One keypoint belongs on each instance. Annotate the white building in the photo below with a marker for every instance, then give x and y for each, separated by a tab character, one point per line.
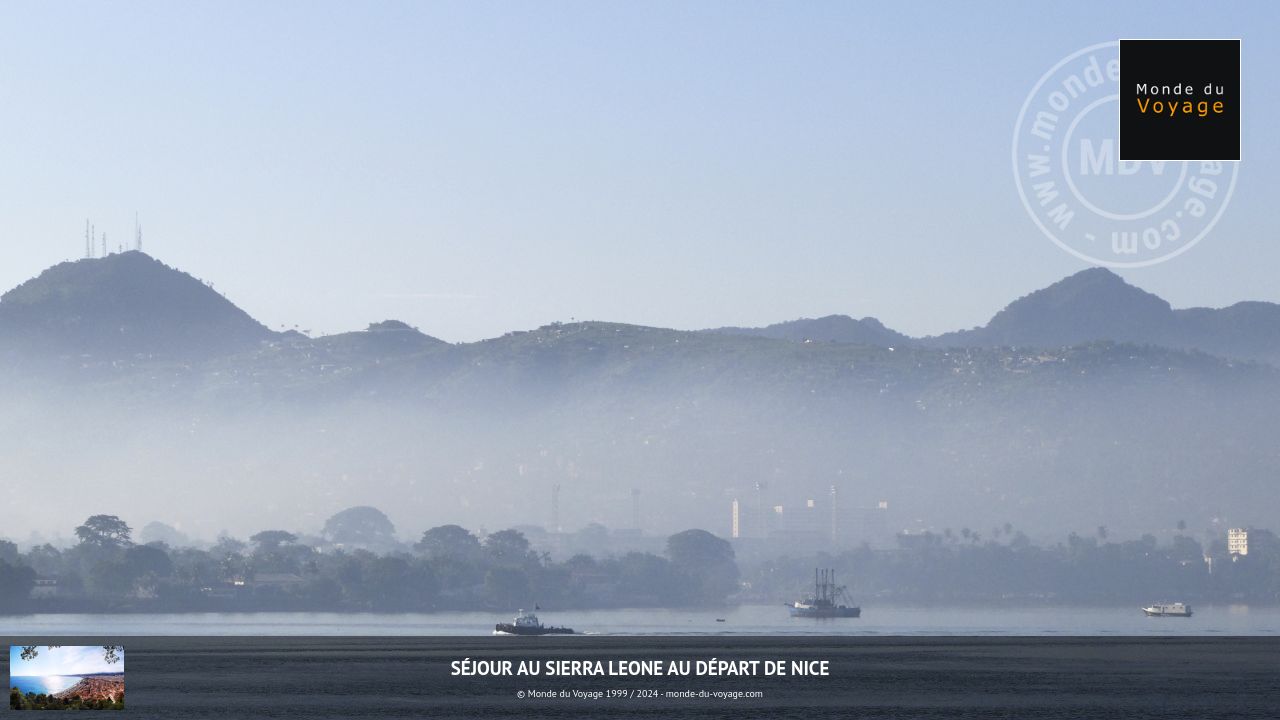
44	588
1238	541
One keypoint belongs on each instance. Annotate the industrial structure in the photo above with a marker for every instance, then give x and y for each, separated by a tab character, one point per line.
95	246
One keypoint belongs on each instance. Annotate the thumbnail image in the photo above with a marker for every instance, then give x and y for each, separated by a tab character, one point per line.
66	677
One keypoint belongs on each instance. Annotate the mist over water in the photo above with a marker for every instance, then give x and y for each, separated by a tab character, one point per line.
481	435
890	455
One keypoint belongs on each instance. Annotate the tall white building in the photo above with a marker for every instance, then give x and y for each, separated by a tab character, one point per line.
1238	541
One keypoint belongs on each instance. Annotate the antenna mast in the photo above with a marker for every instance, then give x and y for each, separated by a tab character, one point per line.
834	528
761	519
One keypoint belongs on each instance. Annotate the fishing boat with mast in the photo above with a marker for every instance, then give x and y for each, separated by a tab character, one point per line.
828	600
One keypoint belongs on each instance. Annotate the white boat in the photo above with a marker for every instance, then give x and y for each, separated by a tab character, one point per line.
1167	610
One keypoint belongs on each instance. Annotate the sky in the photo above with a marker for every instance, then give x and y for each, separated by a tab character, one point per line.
474	168
64	660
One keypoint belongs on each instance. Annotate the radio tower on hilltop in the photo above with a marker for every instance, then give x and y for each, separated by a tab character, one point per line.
137	233
88	240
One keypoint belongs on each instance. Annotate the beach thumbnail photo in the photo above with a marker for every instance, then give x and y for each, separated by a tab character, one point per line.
66	677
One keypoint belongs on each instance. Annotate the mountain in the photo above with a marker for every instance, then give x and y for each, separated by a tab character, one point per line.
478	434
832	328
129	304
122	306
1249	330
1094	305
389	337
1098	305
258	430
1091	305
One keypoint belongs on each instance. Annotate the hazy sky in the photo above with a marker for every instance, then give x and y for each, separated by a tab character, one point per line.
64	660
473	168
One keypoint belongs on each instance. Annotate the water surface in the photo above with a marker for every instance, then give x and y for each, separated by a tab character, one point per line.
1209	620
43	684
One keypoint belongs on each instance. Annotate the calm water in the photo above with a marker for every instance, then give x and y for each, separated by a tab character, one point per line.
43	684
743	620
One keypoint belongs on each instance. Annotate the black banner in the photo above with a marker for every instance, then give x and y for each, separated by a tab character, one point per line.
741	677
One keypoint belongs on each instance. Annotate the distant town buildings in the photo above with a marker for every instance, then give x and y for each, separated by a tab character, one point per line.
44	588
810	524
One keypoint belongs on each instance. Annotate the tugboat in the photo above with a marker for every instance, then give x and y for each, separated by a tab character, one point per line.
825	602
526	623
1168	610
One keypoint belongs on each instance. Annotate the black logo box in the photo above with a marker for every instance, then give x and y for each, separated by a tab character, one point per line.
1185	67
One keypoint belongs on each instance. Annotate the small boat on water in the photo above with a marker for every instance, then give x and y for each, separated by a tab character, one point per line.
1167	610
526	623
827	601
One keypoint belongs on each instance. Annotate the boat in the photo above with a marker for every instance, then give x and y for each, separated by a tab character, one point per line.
526	623
827	601
1167	610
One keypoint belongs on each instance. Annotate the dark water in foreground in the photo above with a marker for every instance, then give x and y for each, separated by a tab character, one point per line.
870	677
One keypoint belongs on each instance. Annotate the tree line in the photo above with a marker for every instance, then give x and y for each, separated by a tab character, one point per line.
356	565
